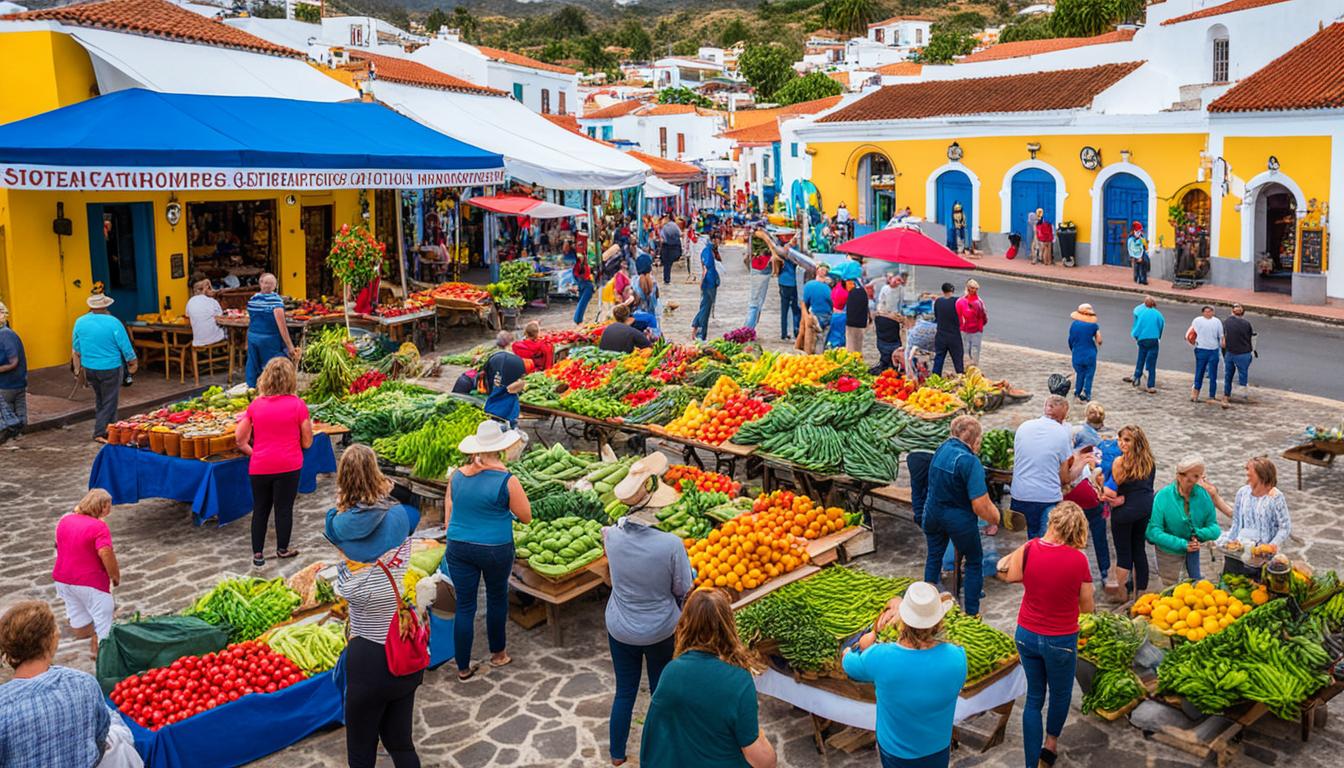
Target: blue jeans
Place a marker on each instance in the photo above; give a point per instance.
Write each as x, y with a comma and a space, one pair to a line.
1141, 271
1096, 522
585, 296
1239, 364
1147, 360
700, 325
1036, 512
1049, 662
960, 527
760, 285
788, 305
917, 464
626, 660
1206, 361
467, 563
938, 759
1083, 371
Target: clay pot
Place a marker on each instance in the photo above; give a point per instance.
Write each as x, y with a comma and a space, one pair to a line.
172, 444
156, 441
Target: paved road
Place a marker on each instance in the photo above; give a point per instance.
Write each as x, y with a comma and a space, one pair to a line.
1296, 356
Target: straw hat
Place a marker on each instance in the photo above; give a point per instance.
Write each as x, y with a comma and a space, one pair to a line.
490, 437
1084, 313
98, 299
923, 606
643, 486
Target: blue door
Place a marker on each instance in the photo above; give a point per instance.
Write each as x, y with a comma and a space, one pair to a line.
1032, 188
121, 256
1124, 201
954, 187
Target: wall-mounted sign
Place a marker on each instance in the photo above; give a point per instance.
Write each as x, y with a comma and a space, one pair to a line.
178, 266
173, 213
1090, 157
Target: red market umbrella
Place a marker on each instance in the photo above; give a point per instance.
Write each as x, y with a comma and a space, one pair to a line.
904, 245
521, 205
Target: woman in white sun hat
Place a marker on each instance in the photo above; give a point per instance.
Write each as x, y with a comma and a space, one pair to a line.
918, 679
481, 503
650, 578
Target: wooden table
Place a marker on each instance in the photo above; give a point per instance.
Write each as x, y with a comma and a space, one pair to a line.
725, 454
600, 431
555, 593
1318, 453
396, 327
173, 339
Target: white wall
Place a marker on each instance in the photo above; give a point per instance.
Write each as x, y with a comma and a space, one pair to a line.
464, 61
701, 132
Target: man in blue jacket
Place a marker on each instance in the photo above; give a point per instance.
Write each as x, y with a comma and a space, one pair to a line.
709, 285
1146, 331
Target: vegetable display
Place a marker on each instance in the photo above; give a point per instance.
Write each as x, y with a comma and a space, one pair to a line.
314, 648
1110, 642
432, 449
996, 448
329, 354
248, 606
892, 387
557, 547
585, 505
1112, 690
194, 684
688, 517
705, 481
933, 401
987, 648
831, 432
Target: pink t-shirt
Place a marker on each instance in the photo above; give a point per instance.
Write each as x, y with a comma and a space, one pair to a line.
78, 539
275, 434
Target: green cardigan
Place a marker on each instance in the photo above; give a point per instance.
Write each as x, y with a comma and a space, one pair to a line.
1170, 530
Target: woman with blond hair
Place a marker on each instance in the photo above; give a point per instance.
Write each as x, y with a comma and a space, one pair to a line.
368, 526
86, 567
1131, 502
274, 432
1057, 586
704, 711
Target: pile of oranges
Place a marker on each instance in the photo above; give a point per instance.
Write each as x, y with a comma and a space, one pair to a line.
798, 369
748, 550
1194, 611
932, 401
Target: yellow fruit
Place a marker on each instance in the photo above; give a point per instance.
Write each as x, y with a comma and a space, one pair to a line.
1205, 586
1178, 626
1183, 611
1211, 625
1194, 618
1220, 597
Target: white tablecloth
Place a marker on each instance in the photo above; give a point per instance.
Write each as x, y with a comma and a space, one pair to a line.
860, 714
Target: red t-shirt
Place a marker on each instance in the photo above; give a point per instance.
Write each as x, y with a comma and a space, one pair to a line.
78, 539
275, 434
1052, 575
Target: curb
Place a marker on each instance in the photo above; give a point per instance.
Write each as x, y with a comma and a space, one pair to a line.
1184, 297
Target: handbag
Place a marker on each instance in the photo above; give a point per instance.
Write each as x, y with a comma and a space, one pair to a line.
407, 640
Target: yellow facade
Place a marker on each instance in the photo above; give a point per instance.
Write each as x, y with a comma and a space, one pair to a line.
1304, 161
1171, 160
45, 70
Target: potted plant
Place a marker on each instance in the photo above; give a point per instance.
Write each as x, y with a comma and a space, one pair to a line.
354, 259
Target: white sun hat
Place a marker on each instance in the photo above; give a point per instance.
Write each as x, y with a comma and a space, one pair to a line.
923, 606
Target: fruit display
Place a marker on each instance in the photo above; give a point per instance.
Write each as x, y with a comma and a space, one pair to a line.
1273, 655
431, 450
460, 291
932, 401
996, 448
1193, 611
975, 390
314, 648
366, 381
786, 371
892, 387
724, 388
557, 547
193, 684
640, 397
247, 606
713, 425
753, 548
830, 432
576, 374
670, 403
705, 481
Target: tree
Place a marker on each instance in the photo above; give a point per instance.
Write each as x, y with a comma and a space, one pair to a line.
436, 20
767, 67
814, 85
735, 31
268, 10
569, 21
1031, 28
631, 34
554, 51
850, 16
593, 53
1084, 18
466, 25
683, 95
945, 44
967, 20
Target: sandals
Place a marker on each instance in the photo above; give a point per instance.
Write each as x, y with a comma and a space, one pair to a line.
258, 560
285, 554
1048, 756
504, 663
468, 673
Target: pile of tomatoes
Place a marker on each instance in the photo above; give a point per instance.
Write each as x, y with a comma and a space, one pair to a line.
579, 375
714, 425
640, 397
193, 684
892, 386
563, 337
672, 367
708, 482
465, 291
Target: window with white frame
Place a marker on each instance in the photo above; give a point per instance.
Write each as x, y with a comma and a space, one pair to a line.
1220, 60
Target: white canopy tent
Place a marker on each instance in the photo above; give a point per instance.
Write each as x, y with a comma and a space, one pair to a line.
534, 149
656, 187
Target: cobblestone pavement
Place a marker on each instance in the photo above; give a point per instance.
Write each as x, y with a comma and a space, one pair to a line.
549, 708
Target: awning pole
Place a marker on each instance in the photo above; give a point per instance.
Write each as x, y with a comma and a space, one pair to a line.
401, 244
457, 235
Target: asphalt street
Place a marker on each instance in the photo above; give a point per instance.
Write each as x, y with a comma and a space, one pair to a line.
1294, 355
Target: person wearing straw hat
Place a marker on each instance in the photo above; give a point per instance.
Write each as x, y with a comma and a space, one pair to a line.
481, 503
1084, 339
650, 578
100, 347
918, 679
14, 380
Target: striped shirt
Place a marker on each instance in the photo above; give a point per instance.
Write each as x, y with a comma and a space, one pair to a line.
373, 602
1258, 519
261, 313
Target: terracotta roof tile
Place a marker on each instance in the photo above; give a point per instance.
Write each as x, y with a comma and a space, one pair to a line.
761, 133
895, 19
1060, 89
1309, 76
1217, 10
1033, 47
519, 60
619, 109
155, 18
409, 72
901, 68
642, 108
811, 107
745, 118
839, 77
568, 122
668, 170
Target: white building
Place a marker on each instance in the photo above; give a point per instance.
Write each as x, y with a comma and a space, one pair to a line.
769, 156
541, 87
673, 131
905, 32
684, 72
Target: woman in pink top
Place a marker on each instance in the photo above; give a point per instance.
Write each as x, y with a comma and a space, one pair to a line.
973, 319
275, 431
1058, 586
86, 567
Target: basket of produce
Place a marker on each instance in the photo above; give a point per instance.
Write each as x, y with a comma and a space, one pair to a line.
978, 392
558, 549
996, 449
1193, 611
1107, 645
929, 403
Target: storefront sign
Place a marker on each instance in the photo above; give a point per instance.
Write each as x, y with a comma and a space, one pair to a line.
93, 178
176, 264
1311, 250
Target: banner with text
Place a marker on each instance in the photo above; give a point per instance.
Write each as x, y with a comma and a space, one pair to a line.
96, 178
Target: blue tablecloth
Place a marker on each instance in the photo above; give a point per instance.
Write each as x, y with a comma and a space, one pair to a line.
248, 729
215, 489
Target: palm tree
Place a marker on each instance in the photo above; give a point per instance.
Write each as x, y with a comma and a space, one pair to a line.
849, 16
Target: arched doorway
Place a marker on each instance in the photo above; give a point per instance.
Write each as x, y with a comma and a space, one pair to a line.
1190, 222
1031, 188
1124, 201
954, 187
1275, 238
877, 192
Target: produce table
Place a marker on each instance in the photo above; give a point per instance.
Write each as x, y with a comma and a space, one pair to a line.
725, 454
463, 312
247, 729
824, 705
820, 552
215, 489
396, 327
554, 593
600, 431
1319, 453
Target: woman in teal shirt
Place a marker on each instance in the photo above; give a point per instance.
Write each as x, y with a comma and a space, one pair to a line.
482, 501
918, 679
1183, 517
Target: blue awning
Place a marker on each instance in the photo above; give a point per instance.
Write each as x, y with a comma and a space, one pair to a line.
144, 140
